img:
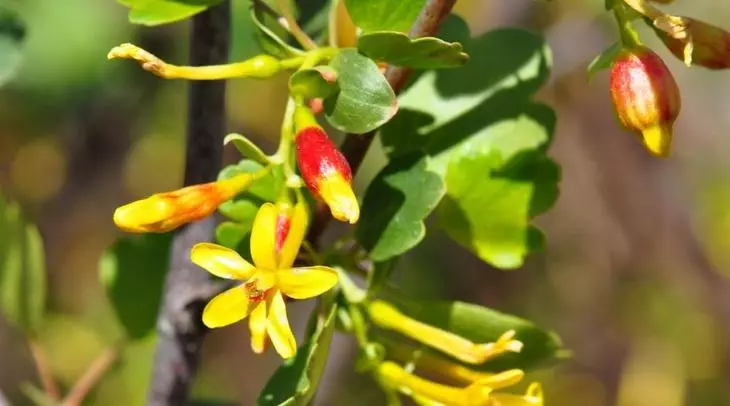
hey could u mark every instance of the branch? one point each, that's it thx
(187, 288)
(44, 371)
(356, 146)
(91, 377)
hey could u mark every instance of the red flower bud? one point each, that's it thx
(163, 212)
(326, 173)
(695, 42)
(646, 97)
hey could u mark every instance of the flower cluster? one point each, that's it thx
(474, 388)
(276, 237)
(263, 284)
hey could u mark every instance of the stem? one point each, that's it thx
(643, 7)
(294, 28)
(258, 67)
(627, 32)
(187, 288)
(284, 152)
(356, 146)
(91, 377)
(44, 371)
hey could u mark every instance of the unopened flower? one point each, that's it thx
(479, 393)
(276, 237)
(326, 173)
(163, 212)
(387, 316)
(646, 97)
(695, 42)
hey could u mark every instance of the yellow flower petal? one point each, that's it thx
(263, 237)
(140, 216)
(227, 308)
(221, 261)
(533, 397)
(257, 323)
(297, 229)
(503, 379)
(303, 283)
(338, 194)
(278, 328)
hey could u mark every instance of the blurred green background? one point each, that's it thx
(634, 277)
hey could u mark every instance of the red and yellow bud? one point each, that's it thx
(326, 173)
(646, 97)
(695, 42)
(163, 212)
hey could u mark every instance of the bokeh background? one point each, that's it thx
(634, 277)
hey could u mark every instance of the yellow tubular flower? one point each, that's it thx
(276, 237)
(435, 365)
(261, 66)
(163, 212)
(387, 316)
(479, 393)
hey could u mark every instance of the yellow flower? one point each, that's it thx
(163, 212)
(389, 317)
(275, 240)
(480, 393)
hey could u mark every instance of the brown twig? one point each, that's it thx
(356, 146)
(91, 377)
(44, 371)
(187, 287)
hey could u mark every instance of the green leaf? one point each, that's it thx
(243, 208)
(296, 381)
(270, 35)
(314, 82)
(603, 60)
(379, 276)
(365, 100)
(483, 113)
(231, 234)
(133, 273)
(157, 12)
(480, 185)
(400, 197)
(12, 38)
(247, 148)
(265, 189)
(480, 324)
(384, 15)
(397, 48)
(22, 270)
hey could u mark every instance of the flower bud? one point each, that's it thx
(163, 212)
(260, 67)
(646, 97)
(695, 42)
(326, 173)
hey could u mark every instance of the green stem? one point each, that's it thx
(294, 28)
(627, 32)
(310, 59)
(284, 155)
